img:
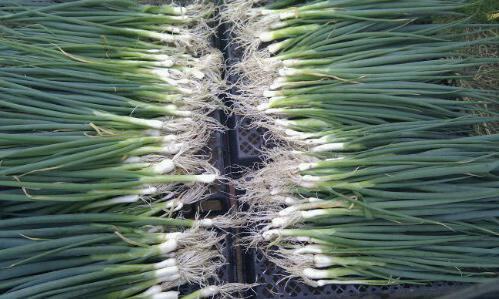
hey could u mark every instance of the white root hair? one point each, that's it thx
(226, 290)
(256, 71)
(261, 186)
(293, 264)
(247, 19)
(199, 239)
(229, 220)
(205, 98)
(199, 266)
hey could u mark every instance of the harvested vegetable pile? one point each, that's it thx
(104, 109)
(378, 177)
(99, 102)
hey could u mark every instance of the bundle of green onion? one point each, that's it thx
(378, 178)
(105, 255)
(104, 110)
(104, 103)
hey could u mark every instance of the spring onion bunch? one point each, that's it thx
(104, 103)
(105, 107)
(104, 255)
(380, 177)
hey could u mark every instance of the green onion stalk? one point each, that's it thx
(381, 177)
(104, 255)
(105, 110)
(104, 103)
(266, 21)
(412, 211)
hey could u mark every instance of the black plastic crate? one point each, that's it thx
(218, 153)
(246, 142)
(218, 203)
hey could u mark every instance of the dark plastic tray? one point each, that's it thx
(218, 203)
(222, 195)
(245, 141)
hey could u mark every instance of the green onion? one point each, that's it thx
(101, 105)
(378, 176)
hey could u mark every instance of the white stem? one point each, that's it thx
(153, 290)
(164, 60)
(318, 141)
(314, 199)
(280, 222)
(263, 11)
(207, 178)
(272, 234)
(168, 271)
(312, 273)
(274, 111)
(168, 246)
(209, 291)
(295, 135)
(277, 84)
(179, 10)
(169, 138)
(166, 263)
(329, 147)
(288, 211)
(272, 93)
(115, 200)
(288, 14)
(309, 249)
(169, 277)
(306, 166)
(266, 36)
(197, 74)
(291, 62)
(278, 25)
(311, 178)
(186, 91)
(151, 132)
(183, 113)
(132, 160)
(151, 123)
(291, 201)
(164, 75)
(276, 191)
(286, 72)
(166, 295)
(148, 190)
(275, 47)
(206, 222)
(174, 235)
(263, 106)
(323, 261)
(165, 166)
(171, 148)
(283, 123)
(169, 38)
(313, 213)
(175, 205)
